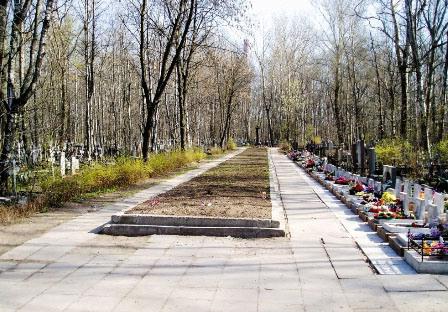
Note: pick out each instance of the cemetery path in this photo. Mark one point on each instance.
(319, 268)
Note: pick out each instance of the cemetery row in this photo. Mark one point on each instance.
(411, 217)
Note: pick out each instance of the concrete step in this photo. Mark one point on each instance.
(143, 230)
(192, 221)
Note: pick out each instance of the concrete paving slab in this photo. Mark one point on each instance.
(412, 283)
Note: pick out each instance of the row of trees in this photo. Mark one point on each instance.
(127, 77)
(370, 70)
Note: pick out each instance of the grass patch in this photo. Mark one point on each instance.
(98, 179)
(236, 188)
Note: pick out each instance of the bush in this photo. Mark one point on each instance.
(441, 151)
(285, 146)
(124, 172)
(231, 145)
(394, 151)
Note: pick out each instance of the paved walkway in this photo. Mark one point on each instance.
(319, 268)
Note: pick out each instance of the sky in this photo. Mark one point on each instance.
(265, 10)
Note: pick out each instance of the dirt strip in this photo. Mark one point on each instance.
(238, 188)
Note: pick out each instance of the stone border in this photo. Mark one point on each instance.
(143, 230)
(393, 239)
(192, 221)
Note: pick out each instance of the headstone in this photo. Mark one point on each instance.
(354, 157)
(361, 155)
(378, 187)
(340, 156)
(439, 201)
(420, 209)
(428, 196)
(372, 161)
(62, 164)
(433, 215)
(397, 187)
(371, 183)
(405, 203)
(389, 174)
(75, 165)
(406, 186)
(417, 190)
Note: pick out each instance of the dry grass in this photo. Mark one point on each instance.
(238, 187)
(12, 213)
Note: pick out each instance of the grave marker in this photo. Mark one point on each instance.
(62, 164)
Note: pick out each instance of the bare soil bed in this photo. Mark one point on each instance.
(237, 188)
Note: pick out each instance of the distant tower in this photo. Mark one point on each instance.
(246, 46)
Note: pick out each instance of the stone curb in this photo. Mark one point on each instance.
(191, 221)
(143, 230)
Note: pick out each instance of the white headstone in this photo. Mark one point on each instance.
(433, 214)
(406, 186)
(397, 187)
(405, 203)
(371, 183)
(420, 208)
(417, 190)
(439, 201)
(75, 165)
(428, 196)
(62, 163)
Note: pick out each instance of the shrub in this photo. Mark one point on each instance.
(441, 151)
(215, 151)
(231, 145)
(123, 172)
(394, 151)
(285, 146)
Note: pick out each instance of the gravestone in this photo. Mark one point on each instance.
(406, 186)
(405, 203)
(372, 161)
(439, 201)
(433, 215)
(397, 187)
(420, 208)
(428, 196)
(361, 155)
(390, 174)
(74, 165)
(417, 190)
(62, 164)
(378, 187)
(371, 183)
(354, 157)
